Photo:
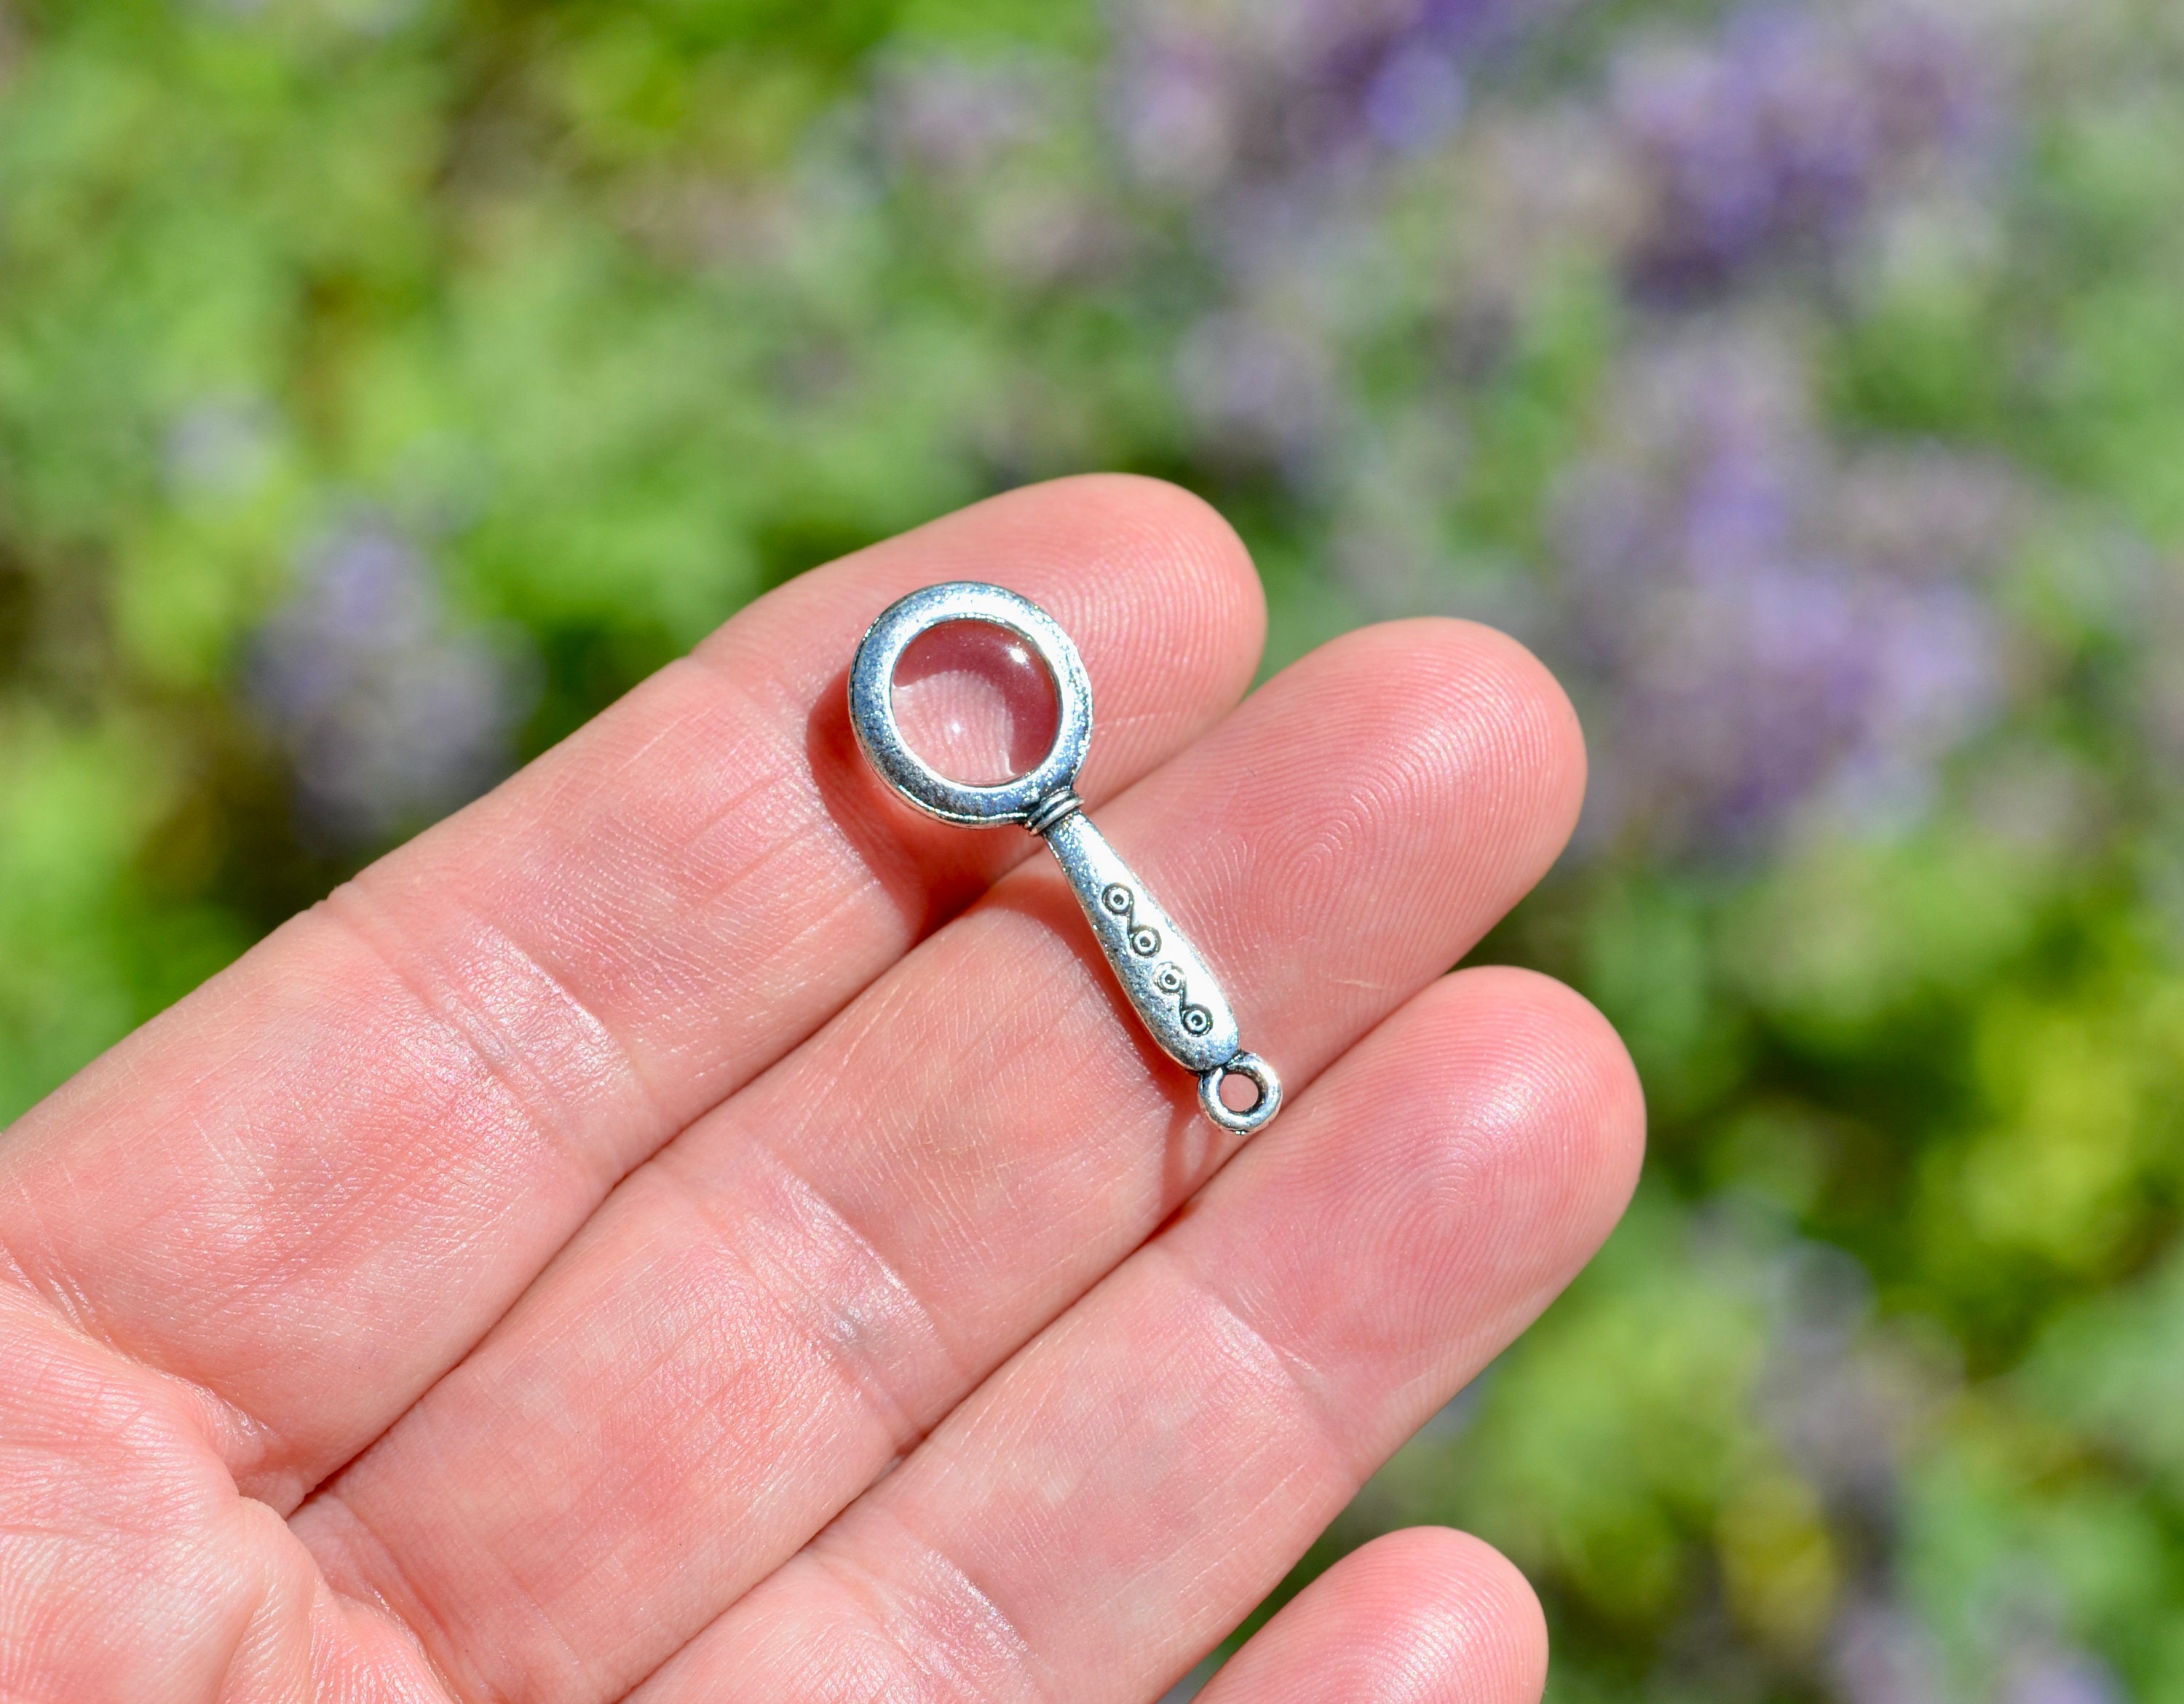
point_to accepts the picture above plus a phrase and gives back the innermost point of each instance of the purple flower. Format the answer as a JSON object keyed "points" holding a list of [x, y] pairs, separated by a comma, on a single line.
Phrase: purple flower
{"points": [[1256, 389], [1415, 98], [1174, 109], [1761, 638], [1786, 129], [1880, 1655], [391, 714], [1206, 98], [939, 114], [2060, 1676]]}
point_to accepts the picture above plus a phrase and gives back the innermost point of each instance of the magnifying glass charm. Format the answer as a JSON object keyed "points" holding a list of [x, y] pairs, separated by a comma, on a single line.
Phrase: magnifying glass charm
{"points": [[1165, 980]]}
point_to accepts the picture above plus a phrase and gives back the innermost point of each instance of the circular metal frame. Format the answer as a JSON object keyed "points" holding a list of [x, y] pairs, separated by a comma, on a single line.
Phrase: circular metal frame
{"points": [[871, 703]]}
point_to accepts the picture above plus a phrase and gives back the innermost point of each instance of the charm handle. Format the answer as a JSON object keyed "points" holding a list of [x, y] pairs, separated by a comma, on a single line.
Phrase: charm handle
{"points": [[1162, 975]]}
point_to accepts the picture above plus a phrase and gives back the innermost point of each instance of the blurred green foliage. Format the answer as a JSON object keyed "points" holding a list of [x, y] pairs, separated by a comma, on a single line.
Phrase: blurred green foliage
{"points": [[611, 315]]}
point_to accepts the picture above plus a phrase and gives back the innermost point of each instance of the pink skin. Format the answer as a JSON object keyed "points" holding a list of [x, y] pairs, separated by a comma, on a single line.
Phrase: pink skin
{"points": [[1425, 1616], [517, 1278]]}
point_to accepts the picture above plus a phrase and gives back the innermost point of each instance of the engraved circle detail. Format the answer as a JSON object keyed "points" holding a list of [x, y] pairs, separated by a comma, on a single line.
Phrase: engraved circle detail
{"points": [[1145, 941]]}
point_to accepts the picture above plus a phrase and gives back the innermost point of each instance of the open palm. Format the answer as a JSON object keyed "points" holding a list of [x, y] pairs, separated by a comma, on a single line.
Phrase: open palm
{"points": [[687, 1227]]}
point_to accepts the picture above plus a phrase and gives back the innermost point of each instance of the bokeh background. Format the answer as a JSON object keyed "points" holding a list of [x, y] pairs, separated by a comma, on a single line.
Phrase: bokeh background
{"points": [[386, 385]]}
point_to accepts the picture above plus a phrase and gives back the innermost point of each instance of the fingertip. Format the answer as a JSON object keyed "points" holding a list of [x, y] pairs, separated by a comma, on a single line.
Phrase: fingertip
{"points": [[1462, 1162], [1425, 1615], [1136, 516], [1119, 546], [1157, 556], [1524, 1157], [1484, 729], [1553, 726], [1556, 1052], [1541, 744], [1465, 1610]]}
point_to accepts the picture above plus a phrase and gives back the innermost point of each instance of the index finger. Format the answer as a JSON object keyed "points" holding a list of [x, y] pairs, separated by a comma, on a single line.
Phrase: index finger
{"points": [[312, 1185]]}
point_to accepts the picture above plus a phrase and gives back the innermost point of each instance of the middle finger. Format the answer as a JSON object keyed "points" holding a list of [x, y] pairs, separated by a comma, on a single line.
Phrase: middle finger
{"points": [[803, 1283]]}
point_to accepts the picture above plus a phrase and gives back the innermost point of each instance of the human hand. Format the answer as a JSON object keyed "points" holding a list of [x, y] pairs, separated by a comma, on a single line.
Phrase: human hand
{"points": [[517, 1277]]}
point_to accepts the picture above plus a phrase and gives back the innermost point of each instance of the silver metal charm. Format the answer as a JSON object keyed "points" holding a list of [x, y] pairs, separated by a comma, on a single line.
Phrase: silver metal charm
{"points": [[1169, 984]]}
